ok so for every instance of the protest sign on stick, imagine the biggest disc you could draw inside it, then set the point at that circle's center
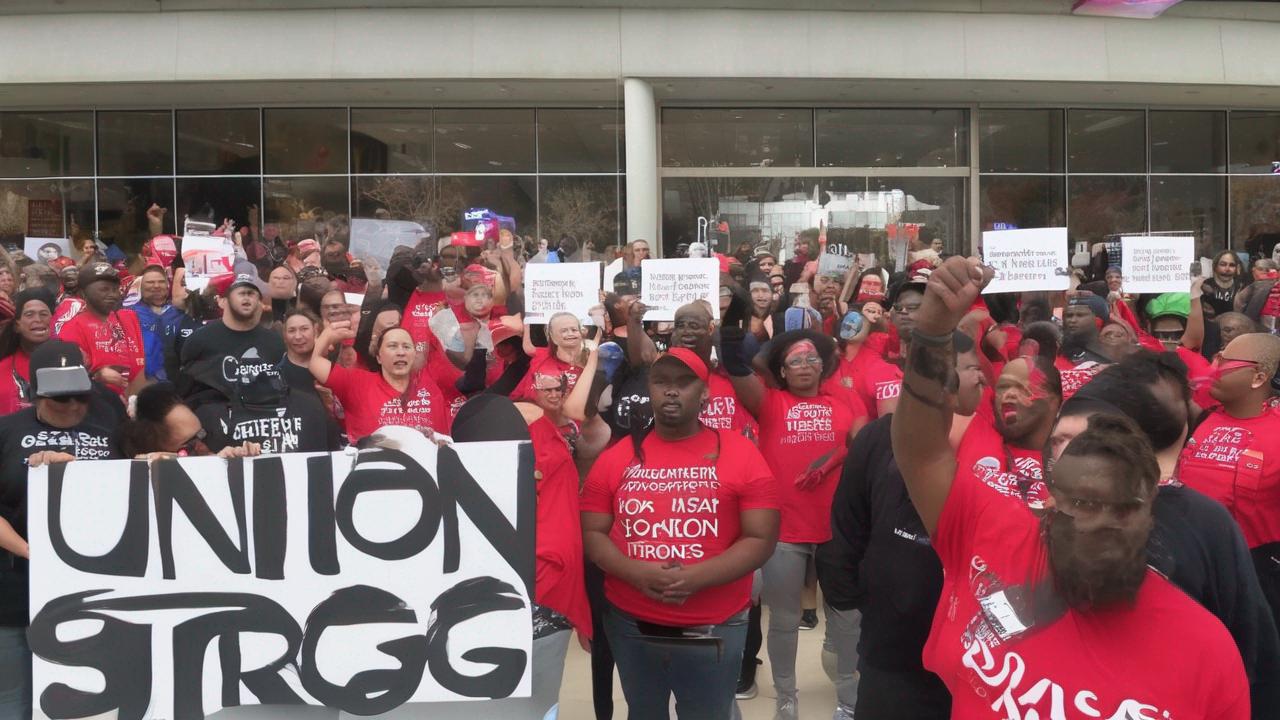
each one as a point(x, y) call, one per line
point(560, 287)
point(665, 285)
point(1027, 260)
point(355, 581)
point(1154, 265)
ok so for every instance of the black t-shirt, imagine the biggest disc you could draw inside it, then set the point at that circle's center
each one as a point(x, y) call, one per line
point(22, 435)
point(299, 378)
point(300, 425)
point(215, 356)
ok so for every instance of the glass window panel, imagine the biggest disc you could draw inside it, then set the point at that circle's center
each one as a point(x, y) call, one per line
point(1255, 142)
point(1027, 201)
point(584, 207)
point(1195, 204)
point(135, 143)
point(391, 141)
point(704, 137)
point(579, 140)
point(1188, 142)
point(892, 138)
point(297, 208)
point(45, 208)
point(1255, 226)
point(1106, 141)
point(220, 198)
point(928, 207)
point(485, 141)
point(44, 144)
point(1102, 206)
point(122, 210)
point(310, 141)
point(762, 211)
point(1023, 141)
point(443, 199)
point(218, 142)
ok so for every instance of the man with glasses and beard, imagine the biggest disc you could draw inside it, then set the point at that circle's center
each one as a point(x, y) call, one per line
point(72, 419)
point(1044, 613)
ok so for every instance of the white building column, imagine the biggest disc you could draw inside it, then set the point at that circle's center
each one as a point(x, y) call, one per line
point(644, 200)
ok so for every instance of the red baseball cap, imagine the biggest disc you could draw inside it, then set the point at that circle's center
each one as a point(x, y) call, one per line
point(689, 358)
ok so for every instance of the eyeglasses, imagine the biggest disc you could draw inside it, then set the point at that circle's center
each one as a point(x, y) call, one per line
point(64, 399)
point(795, 362)
point(190, 446)
point(1167, 334)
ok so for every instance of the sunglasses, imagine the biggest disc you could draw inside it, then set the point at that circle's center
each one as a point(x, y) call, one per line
point(1168, 334)
point(1228, 364)
point(65, 399)
point(190, 446)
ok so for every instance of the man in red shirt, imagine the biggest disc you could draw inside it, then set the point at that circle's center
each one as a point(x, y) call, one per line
point(110, 338)
point(1082, 353)
point(1233, 456)
point(1045, 614)
point(862, 370)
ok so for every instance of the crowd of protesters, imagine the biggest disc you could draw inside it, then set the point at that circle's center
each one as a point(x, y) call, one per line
point(1024, 505)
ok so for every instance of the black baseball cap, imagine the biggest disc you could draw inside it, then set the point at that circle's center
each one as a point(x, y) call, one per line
point(57, 369)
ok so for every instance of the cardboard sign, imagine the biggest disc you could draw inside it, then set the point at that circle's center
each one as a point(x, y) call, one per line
point(666, 285)
point(45, 250)
point(1027, 260)
point(560, 287)
point(353, 581)
point(44, 218)
point(1154, 265)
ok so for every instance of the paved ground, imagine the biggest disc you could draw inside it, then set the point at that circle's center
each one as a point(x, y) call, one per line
point(817, 694)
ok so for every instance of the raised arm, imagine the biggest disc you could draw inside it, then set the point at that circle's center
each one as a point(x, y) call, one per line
point(333, 335)
point(1193, 337)
point(576, 402)
point(749, 389)
point(922, 420)
point(640, 348)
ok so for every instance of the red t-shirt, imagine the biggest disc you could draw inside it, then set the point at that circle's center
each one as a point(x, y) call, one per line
point(545, 362)
point(369, 403)
point(1074, 376)
point(67, 309)
point(794, 432)
point(559, 582)
point(1237, 463)
point(12, 369)
point(985, 454)
point(682, 503)
point(1200, 375)
point(112, 342)
point(422, 306)
point(1164, 657)
point(868, 377)
point(724, 412)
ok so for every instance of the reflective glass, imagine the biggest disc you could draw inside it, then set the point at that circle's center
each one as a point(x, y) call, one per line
point(442, 200)
point(1255, 142)
point(755, 137)
point(1010, 202)
point(1254, 227)
point(1101, 206)
point(226, 198)
point(218, 142)
point(1188, 142)
point(298, 208)
point(391, 141)
point(584, 207)
point(46, 144)
point(1021, 141)
point(122, 210)
point(1191, 204)
point(485, 141)
point(892, 138)
point(45, 209)
point(1106, 141)
point(307, 141)
point(135, 143)
point(580, 140)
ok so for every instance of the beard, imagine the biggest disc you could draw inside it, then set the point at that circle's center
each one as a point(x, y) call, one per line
point(1085, 583)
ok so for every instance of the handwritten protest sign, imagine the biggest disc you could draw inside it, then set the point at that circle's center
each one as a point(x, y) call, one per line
point(1157, 264)
point(354, 581)
point(1027, 260)
point(668, 284)
point(560, 287)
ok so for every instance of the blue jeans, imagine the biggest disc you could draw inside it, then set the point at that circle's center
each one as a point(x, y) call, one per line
point(15, 673)
point(702, 680)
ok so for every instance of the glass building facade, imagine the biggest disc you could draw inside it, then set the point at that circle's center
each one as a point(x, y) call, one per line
point(767, 172)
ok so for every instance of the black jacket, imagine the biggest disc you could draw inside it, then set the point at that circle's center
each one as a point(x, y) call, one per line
point(879, 559)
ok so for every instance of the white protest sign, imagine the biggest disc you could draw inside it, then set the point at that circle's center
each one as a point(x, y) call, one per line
point(1027, 260)
point(377, 239)
point(834, 264)
point(665, 285)
point(355, 581)
point(46, 250)
point(1154, 265)
point(205, 257)
point(560, 287)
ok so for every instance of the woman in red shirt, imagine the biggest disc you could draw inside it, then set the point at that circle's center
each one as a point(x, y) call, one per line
point(804, 437)
point(567, 355)
point(397, 391)
point(679, 519)
point(28, 330)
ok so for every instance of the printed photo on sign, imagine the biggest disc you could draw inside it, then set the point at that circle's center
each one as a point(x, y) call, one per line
point(46, 250)
point(666, 285)
point(1153, 265)
point(353, 581)
point(1027, 260)
point(560, 287)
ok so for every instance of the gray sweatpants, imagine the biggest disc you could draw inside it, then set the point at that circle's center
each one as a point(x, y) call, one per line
point(840, 653)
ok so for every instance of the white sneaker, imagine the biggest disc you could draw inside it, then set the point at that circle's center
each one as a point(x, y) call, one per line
point(748, 693)
point(788, 708)
point(843, 712)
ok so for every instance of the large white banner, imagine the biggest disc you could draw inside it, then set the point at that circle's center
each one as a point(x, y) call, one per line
point(1027, 260)
point(1158, 264)
point(666, 285)
point(355, 581)
point(560, 287)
